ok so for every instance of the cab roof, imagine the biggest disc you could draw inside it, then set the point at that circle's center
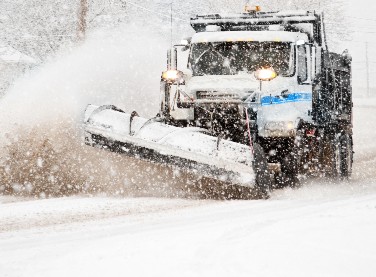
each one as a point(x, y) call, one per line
point(277, 36)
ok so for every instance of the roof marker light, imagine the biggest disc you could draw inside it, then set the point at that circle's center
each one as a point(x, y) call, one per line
point(251, 9)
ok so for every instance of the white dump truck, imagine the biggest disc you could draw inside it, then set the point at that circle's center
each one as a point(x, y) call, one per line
point(253, 99)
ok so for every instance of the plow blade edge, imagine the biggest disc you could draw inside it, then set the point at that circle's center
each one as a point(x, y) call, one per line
point(189, 149)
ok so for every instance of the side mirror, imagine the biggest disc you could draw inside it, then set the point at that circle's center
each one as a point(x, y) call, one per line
point(300, 80)
point(304, 64)
point(347, 57)
point(185, 42)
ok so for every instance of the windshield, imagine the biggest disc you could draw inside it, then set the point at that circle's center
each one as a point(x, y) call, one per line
point(230, 58)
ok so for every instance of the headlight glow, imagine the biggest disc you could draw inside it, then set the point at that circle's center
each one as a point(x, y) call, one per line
point(290, 125)
point(279, 129)
point(173, 76)
point(265, 74)
point(279, 125)
point(170, 75)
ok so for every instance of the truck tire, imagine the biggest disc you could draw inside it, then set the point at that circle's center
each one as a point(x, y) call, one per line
point(333, 167)
point(339, 157)
point(336, 159)
point(260, 167)
point(346, 153)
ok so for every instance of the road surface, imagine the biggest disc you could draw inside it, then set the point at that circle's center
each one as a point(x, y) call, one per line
point(321, 229)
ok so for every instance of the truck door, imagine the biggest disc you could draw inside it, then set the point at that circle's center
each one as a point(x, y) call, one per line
point(304, 69)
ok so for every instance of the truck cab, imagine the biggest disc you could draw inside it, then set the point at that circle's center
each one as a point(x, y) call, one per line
point(265, 78)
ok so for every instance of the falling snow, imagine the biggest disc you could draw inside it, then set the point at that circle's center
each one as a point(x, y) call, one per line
point(67, 209)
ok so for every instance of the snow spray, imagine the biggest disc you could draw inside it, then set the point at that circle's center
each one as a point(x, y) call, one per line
point(40, 118)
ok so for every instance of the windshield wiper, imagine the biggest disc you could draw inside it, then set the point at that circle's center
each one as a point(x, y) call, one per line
point(211, 47)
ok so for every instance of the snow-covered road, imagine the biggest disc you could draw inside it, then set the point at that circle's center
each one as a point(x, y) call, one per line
point(320, 229)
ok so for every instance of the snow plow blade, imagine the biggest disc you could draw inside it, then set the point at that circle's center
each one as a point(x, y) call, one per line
point(189, 148)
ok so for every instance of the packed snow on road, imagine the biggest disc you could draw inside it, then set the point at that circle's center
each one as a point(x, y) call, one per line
point(320, 229)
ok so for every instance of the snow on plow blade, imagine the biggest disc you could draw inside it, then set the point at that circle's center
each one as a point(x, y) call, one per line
point(184, 148)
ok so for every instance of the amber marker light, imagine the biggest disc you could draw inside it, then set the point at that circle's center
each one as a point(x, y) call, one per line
point(249, 9)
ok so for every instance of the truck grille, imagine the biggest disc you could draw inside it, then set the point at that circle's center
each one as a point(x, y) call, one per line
point(216, 95)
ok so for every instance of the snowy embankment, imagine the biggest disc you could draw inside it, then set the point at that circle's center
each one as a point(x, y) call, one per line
point(321, 229)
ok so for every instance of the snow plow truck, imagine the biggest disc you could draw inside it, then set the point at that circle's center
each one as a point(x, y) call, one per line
point(254, 99)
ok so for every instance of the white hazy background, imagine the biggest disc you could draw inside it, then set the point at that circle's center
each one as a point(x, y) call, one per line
point(120, 68)
point(361, 15)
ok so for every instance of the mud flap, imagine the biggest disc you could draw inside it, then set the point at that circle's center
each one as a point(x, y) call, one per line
point(261, 169)
point(291, 164)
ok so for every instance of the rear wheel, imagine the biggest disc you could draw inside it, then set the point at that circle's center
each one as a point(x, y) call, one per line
point(340, 157)
point(346, 152)
point(335, 158)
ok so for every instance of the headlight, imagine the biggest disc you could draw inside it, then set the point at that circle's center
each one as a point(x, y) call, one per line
point(265, 74)
point(280, 129)
point(173, 76)
point(280, 125)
